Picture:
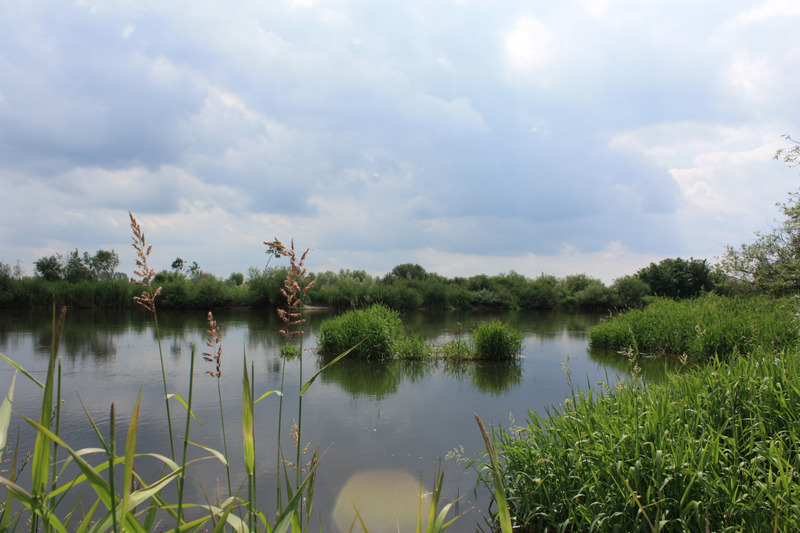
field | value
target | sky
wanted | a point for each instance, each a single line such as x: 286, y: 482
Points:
x: 470, y: 137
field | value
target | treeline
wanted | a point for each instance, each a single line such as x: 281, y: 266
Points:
x: 84, y: 280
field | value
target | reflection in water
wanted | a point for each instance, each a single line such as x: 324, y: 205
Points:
x: 387, y: 501
x: 379, y: 379
x: 653, y: 369
x: 399, y: 415
x: 491, y: 377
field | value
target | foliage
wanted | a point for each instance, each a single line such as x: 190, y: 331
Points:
x: 711, y: 450
x: 49, y: 268
x: 408, y: 271
x: 456, y: 349
x: 413, y: 347
x: 678, y: 278
x: 772, y: 262
x: 545, y: 292
x: 496, y: 340
x: 373, y: 331
x: 631, y: 291
x: 703, y: 328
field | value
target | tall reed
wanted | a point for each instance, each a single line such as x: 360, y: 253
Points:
x: 147, y: 299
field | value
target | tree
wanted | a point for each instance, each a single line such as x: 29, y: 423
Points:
x: 105, y: 263
x: 236, y: 279
x: 195, y: 272
x: 772, y: 262
x: 49, y: 268
x: 177, y: 265
x: 678, y: 278
x: 409, y: 271
x: 79, y: 268
x: 630, y: 290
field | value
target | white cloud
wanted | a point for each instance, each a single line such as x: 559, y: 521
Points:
x: 529, y: 44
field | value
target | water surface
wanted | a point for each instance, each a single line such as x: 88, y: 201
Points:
x: 381, y: 424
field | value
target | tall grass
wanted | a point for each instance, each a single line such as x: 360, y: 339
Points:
x: 713, y: 450
x: 374, y: 330
x: 496, y: 340
x: 128, y: 502
x: 702, y: 328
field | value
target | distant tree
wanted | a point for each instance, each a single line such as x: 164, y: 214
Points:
x: 630, y: 290
x: 195, y: 272
x: 177, y: 265
x: 678, y: 278
x: 79, y: 267
x: 236, y: 278
x: 478, y: 283
x: 575, y: 283
x: 409, y: 271
x: 772, y: 262
x: 105, y: 263
x: 49, y: 268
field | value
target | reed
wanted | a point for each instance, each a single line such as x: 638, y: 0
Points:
x: 702, y: 328
x: 711, y: 450
x: 496, y: 340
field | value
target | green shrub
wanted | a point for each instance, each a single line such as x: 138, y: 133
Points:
x: 375, y: 330
x: 496, y: 340
x: 457, y: 349
x: 413, y: 347
x: 702, y: 328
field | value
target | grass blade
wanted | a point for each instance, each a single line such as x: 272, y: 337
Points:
x: 503, y: 515
x: 5, y: 415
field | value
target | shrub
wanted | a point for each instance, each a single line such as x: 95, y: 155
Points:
x: 457, y: 349
x: 702, y: 328
x: 373, y: 331
x: 413, y: 347
x: 496, y: 340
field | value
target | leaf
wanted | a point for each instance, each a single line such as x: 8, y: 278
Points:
x: 186, y: 405
x: 247, y: 424
x: 338, y: 358
x: 5, y: 415
x: 25, y: 372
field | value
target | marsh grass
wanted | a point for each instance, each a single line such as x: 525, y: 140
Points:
x: 496, y: 340
x: 711, y: 450
x: 702, y: 328
x: 375, y: 330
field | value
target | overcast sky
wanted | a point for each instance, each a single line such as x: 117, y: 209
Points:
x: 470, y: 137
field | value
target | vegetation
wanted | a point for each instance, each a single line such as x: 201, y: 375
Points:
x: 496, y: 340
x: 374, y: 331
x: 712, y: 450
x: 377, y: 332
x: 120, y: 498
x: 703, y: 328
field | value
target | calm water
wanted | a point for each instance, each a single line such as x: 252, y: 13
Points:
x: 380, y: 424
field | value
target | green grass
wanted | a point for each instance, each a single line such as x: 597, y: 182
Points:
x: 702, y: 328
x: 496, y: 340
x: 375, y: 331
x: 718, y: 445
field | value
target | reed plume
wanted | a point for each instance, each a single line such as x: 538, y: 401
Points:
x: 148, y: 300
x: 145, y: 274
x: 214, y: 355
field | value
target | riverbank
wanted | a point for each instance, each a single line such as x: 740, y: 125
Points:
x: 714, y: 448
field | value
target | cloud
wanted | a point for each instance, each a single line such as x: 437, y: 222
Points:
x: 504, y: 134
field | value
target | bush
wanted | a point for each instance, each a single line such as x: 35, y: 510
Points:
x: 457, y: 349
x: 702, y: 328
x: 496, y: 340
x: 376, y: 330
x: 413, y: 347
